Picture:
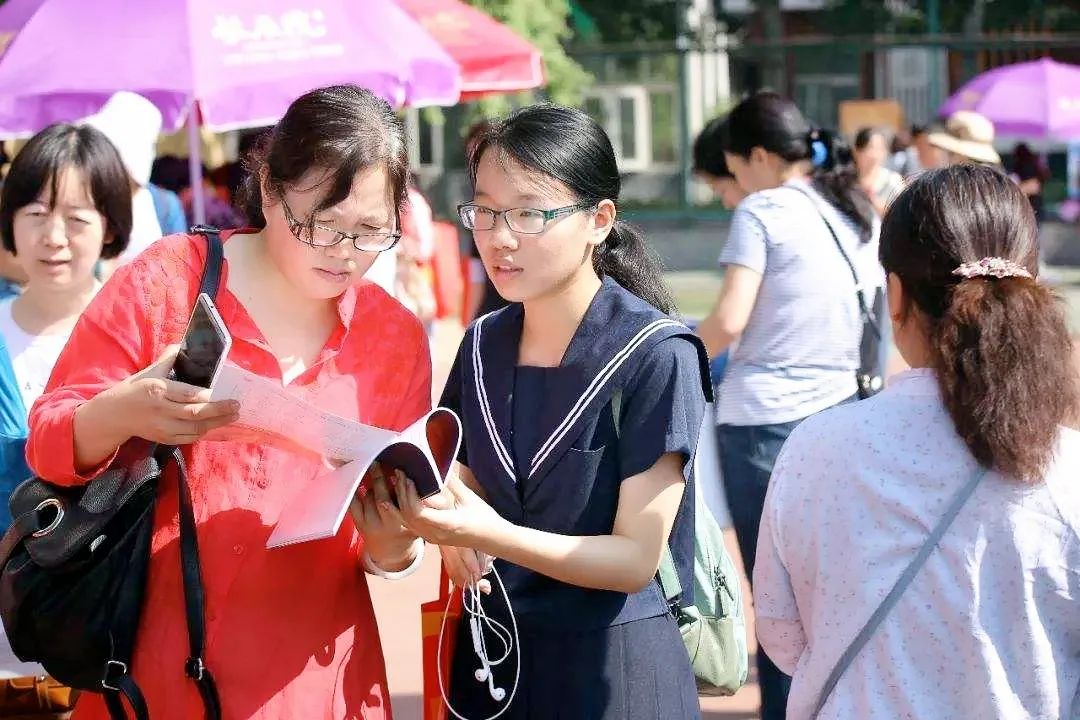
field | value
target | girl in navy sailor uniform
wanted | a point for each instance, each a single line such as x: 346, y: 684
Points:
x: 581, y: 404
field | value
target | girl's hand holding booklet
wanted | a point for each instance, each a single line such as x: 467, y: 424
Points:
x: 270, y: 414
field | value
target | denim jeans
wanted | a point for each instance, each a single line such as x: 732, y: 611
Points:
x: 747, y: 456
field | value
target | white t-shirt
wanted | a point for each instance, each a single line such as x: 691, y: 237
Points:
x: 32, y: 356
x: 32, y: 359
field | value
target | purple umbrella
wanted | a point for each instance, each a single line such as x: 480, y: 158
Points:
x: 241, y: 61
x: 244, y: 61
x: 1039, y: 99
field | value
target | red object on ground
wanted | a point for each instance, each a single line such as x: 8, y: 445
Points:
x: 493, y: 58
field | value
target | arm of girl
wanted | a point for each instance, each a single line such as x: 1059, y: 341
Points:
x: 624, y: 561
x: 731, y: 313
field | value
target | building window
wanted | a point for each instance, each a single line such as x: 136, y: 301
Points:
x: 623, y: 112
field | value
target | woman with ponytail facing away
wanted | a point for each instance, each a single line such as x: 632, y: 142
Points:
x: 987, y: 626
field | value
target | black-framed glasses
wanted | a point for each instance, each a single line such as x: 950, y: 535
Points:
x: 528, y: 221
x: 319, y: 235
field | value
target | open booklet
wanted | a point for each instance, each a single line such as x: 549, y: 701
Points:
x: 269, y: 413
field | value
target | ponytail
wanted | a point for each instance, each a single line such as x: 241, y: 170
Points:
x: 964, y: 245
x: 627, y: 259
x: 836, y: 179
x: 1004, y: 363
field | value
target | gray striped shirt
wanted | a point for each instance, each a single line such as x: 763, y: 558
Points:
x: 799, y: 352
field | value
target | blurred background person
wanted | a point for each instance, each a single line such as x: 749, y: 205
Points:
x: 1030, y: 173
x: 879, y: 183
x: 923, y: 154
x: 132, y: 123
x: 788, y: 296
x: 415, y: 284
x: 968, y: 137
x: 57, y: 240
x: 65, y: 205
x: 710, y: 166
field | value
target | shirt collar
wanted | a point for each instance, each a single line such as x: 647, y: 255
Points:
x: 916, y: 381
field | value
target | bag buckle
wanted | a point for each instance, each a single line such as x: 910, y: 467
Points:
x: 121, y: 671
x: 58, y: 515
x: 194, y: 668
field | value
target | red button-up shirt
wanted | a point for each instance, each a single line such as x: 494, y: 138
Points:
x: 290, y: 632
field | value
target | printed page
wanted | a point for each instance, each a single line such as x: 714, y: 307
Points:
x: 268, y: 408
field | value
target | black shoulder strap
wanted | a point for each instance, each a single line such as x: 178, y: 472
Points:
x: 194, y: 595
x: 122, y: 684
x: 215, y: 255
x: 860, y: 294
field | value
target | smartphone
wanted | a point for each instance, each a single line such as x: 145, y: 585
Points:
x: 205, y: 346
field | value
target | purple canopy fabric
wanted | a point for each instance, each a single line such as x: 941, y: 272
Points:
x: 1039, y: 99
x: 244, y: 61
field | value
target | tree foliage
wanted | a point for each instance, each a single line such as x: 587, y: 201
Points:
x: 544, y: 23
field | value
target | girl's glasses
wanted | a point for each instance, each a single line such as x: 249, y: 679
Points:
x: 529, y: 221
x: 317, y: 235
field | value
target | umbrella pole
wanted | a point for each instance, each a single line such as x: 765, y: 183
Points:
x: 198, y: 205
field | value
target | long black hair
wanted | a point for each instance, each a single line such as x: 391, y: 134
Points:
x: 774, y: 123
x: 567, y: 145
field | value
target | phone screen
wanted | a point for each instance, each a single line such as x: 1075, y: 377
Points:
x: 202, y: 349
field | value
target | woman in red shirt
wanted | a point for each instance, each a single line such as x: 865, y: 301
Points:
x: 290, y: 632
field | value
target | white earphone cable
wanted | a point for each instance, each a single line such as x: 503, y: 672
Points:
x: 478, y: 620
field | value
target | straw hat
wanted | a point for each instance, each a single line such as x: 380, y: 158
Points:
x: 970, y: 135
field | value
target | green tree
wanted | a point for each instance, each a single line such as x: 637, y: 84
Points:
x: 623, y: 21
x: 545, y: 24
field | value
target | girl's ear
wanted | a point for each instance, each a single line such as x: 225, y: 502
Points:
x: 264, y: 187
x: 603, y: 219
x: 758, y: 154
x: 897, y: 299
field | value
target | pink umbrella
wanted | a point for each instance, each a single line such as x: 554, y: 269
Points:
x: 241, y: 61
x: 1039, y: 99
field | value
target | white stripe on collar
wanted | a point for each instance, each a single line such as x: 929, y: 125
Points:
x: 481, y: 391
x: 594, y: 389
x: 576, y: 411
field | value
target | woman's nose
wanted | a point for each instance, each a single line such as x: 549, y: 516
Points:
x: 55, y: 232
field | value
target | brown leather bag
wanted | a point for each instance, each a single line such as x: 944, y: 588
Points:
x: 35, y: 698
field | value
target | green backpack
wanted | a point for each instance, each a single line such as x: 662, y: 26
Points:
x: 714, y: 627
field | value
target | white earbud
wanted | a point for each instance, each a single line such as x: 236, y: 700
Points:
x: 483, y: 673
x: 507, y: 637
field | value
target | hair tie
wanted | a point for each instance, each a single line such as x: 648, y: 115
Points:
x: 994, y: 267
x: 819, y: 153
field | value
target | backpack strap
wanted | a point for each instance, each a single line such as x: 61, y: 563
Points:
x: 117, y: 682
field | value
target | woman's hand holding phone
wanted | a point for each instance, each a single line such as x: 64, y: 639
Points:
x: 147, y: 405
x: 153, y: 407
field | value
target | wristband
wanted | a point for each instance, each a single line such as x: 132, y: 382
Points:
x: 418, y: 548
